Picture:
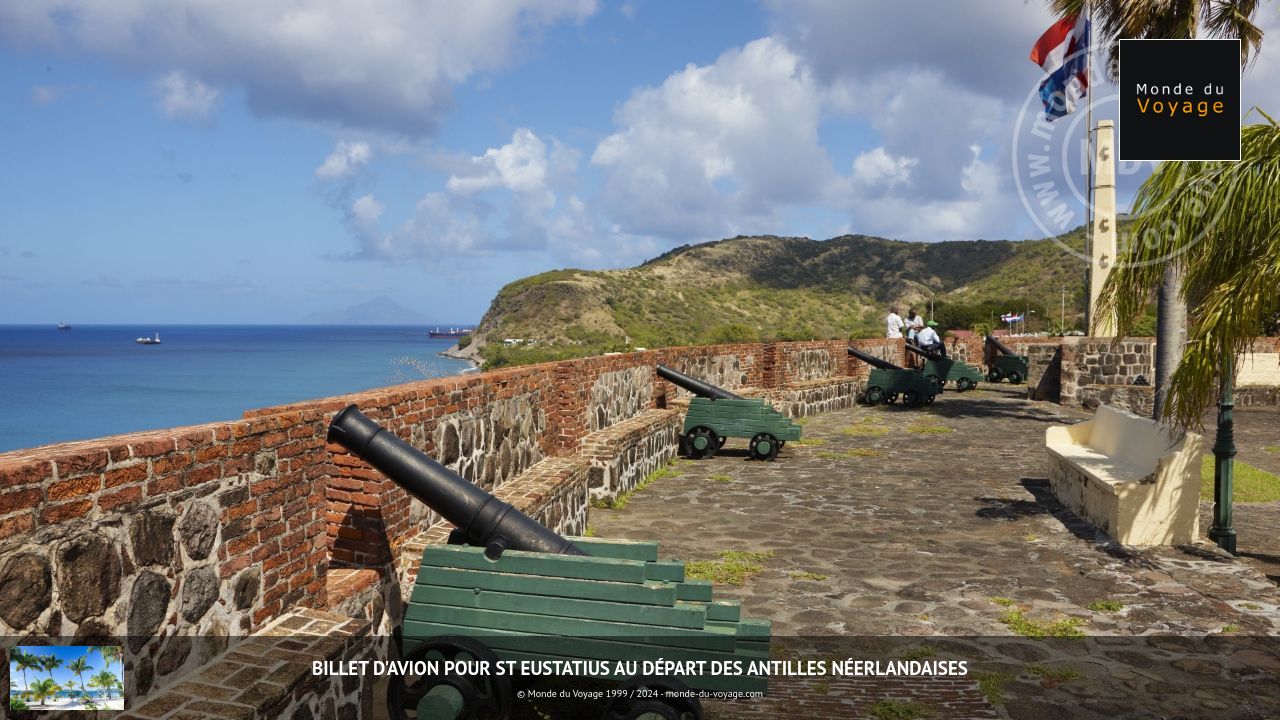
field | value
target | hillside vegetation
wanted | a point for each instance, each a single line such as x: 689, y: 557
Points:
x: 765, y: 288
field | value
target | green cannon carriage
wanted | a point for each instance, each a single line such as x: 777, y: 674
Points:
x: 1003, y: 364
x: 715, y: 414
x: 940, y: 370
x: 888, y: 382
x: 508, y: 601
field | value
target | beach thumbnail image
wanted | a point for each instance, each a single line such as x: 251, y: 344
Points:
x: 66, y: 677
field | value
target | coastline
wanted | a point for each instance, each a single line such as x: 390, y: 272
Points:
x: 470, y: 354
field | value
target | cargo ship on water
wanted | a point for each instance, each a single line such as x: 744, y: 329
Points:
x: 450, y: 333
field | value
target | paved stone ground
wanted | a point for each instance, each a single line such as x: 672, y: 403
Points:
x: 920, y: 545
x: 1257, y: 525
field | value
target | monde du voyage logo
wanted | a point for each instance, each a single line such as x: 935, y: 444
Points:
x: 1179, y: 100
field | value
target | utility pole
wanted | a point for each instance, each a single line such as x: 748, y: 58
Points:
x: 1062, y: 324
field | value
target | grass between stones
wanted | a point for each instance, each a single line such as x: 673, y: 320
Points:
x: 1106, y: 606
x: 1053, y: 677
x: 928, y: 427
x: 850, y: 454
x: 671, y: 469
x: 920, y: 653
x: 1248, y: 483
x: 806, y: 575
x: 867, y: 427
x: 810, y: 442
x: 733, y: 567
x: 1273, y: 448
x: 1230, y: 628
x: 720, y: 477
x: 898, y: 710
x: 991, y: 685
x: 1067, y: 627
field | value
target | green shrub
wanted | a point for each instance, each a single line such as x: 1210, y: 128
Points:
x: 464, y: 341
x: 734, y: 333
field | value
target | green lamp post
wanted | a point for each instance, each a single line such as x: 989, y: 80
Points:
x: 1224, y: 449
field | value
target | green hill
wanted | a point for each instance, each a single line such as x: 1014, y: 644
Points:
x: 762, y: 288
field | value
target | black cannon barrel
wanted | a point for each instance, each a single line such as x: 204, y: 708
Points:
x: 696, y: 386
x: 483, y: 519
x: 925, y: 353
x: 873, y: 361
x: 995, y: 343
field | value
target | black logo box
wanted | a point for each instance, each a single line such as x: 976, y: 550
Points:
x: 1185, y: 65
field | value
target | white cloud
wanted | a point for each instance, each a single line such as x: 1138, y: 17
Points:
x: 347, y: 158
x: 377, y: 65
x: 715, y: 148
x: 184, y: 97
x: 49, y: 94
x: 519, y: 166
x: 878, y: 168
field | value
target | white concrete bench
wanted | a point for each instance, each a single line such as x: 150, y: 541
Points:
x: 1136, y: 480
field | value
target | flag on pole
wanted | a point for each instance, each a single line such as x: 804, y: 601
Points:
x: 1011, y: 317
x: 1062, y: 52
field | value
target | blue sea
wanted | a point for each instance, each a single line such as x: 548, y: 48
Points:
x: 94, y: 380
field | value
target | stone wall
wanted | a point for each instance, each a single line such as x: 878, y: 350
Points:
x: 189, y: 540
x: 619, y: 395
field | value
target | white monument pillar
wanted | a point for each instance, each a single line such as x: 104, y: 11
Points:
x: 1103, y: 252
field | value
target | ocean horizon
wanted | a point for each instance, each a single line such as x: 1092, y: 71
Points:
x: 95, y: 380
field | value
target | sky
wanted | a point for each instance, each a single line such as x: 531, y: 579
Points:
x: 256, y: 161
x: 66, y: 653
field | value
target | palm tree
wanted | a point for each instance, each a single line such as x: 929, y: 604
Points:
x: 50, y: 663
x: 105, y: 680
x: 43, y: 689
x: 1231, y: 256
x: 1183, y: 19
x: 25, y: 661
x: 79, y: 666
x: 109, y: 653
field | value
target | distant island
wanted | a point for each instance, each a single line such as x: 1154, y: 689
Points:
x: 381, y: 310
x: 779, y: 288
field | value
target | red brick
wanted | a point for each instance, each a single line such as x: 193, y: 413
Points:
x: 125, y: 475
x: 54, y: 514
x: 213, y: 452
x: 247, y: 446
x: 168, y: 464
x: 20, y: 500
x: 17, y: 524
x: 164, y: 485
x: 152, y: 448
x: 25, y: 473
x: 202, y: 474
x: 74, y: 488
x: 233, y: 566
x: 69, y: 465
x: 194, y: 438
x: 110, y: 501
x: 242, y: 544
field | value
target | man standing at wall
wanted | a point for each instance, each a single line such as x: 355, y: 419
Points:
x: 893, y: 324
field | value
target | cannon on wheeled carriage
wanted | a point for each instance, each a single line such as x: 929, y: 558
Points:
x: 1003, y: 363
x: 888, y: 382
x: 509, y: 591
x: 715, y: 414
x: 940, y: 369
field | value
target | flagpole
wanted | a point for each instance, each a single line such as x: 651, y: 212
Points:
x: 1088, y: 141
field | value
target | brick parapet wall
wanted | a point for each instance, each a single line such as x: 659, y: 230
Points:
x: 217, y: 529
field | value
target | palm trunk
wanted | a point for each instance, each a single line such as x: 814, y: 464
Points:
x: 1171, y: 334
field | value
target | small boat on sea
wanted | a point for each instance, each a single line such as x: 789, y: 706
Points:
x: 149, y: 341
x: 63, y: 326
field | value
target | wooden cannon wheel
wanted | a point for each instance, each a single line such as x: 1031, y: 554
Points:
x: 464, y: 697
x: 701, y: 443
x: 651, y: 698
x: 764, y: 447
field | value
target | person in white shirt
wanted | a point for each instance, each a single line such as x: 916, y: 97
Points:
x: 929, y: 340
x: 914, y: 324
x: 894, y: 324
